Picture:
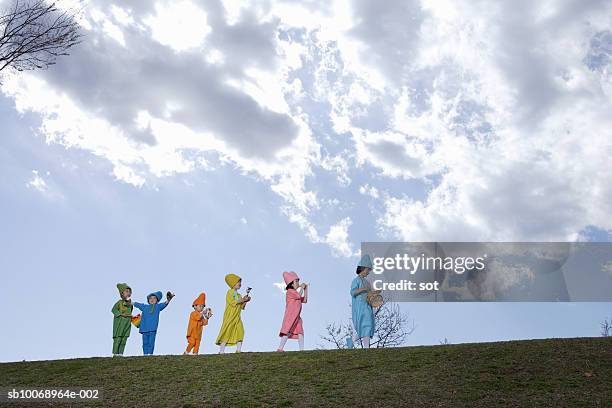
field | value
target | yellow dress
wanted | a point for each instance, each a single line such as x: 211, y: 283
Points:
x: 232, y: 330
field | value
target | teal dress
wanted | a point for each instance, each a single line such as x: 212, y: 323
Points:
x: 363, y: 315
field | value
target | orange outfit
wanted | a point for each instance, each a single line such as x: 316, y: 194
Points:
x: 194, y: 331
x: 196, y: 325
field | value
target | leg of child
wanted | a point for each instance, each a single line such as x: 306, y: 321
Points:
x: 116, y: 341
x: 190, y: 345
x: 122, y: 343
x: 152, y: 342
x: 301, y: 341
x: 148, y: 342
x: 145, y: 343
x: 196, y: 346
x: 238, y: 347
x: 366, y: 342
x: 222, y: 348
x: 283, y: 341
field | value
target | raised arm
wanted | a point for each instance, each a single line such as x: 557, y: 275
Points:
x: 301, y: 294
x: 140, y: 306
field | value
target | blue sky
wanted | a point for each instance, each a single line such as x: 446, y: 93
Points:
x: 185, y: 140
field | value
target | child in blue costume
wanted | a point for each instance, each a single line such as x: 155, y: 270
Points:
x: 362, y: 313
x: 150, y: 319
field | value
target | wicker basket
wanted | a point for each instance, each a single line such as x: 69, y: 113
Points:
x: 375, y: 299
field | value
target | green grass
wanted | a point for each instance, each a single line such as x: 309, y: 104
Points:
x: 534, y: 373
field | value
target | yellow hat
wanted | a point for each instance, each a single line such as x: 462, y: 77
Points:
x: 232, y: 280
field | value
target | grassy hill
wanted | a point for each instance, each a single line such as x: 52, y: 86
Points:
x: 535, y: 373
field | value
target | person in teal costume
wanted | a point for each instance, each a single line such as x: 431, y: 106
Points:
x: 362, y: 312
x: 150, y: 320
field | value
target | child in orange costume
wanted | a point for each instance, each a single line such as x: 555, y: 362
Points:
x: 197, y: 320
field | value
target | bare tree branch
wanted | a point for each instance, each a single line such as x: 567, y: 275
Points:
x: 336, y: 334
x: 392, y: 327
x: 606, y: 328
x: 35, y: 33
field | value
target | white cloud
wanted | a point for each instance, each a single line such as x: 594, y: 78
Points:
x: 37, y: 183
x: 500, y: 110
x: 127, y: 175
x: 41, y: 183
x: 178, y: 24
x: 338, y: 165
x: 155, y: 112
x: 369, y: 191
x: 397, y: 155
x: 492, y: 101
x: 215, y: 57
x: 280, y: 286
x: 338, y: 238
x: 114, y: 32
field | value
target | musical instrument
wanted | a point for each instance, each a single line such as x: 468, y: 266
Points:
x: 247, y: 294
x: 136, y: 320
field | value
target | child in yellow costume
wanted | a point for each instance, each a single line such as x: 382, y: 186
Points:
x: 232, y: 330
x: 197, y: 320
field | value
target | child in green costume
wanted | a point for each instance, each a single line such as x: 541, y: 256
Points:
x: 122, y: 321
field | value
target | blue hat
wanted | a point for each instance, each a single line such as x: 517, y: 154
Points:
x: 366, y: 261
x: 157, y: 294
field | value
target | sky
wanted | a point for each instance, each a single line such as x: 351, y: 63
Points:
x: 184, y: 140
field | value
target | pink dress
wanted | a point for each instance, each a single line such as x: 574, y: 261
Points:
x: 292, y: 322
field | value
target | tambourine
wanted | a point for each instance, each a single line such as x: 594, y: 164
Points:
x: 136, y: 320
x: 375, y: 299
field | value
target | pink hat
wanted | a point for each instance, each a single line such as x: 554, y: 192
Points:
x: 290, y: 277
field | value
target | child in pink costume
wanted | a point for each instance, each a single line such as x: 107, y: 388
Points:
x: 292, y: 322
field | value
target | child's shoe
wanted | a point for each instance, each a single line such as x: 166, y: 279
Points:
x: 280, y: 350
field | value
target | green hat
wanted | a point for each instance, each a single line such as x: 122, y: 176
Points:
x: 122, y: 286
x: 366, y: 261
